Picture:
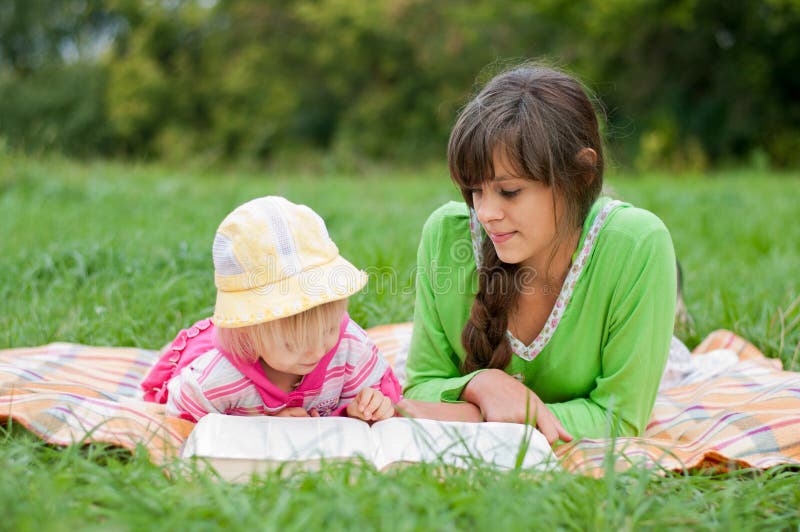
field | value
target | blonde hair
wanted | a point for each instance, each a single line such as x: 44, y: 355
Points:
x: 298, y: 332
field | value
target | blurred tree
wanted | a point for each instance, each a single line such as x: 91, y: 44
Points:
x: 51, y: 86
x: 57, y: 108
x: 37, y: 33
x: 686, y: 83
x: 712, y: 75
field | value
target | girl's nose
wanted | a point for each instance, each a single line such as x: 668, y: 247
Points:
x: 487, y: 208
x: 316, y: 352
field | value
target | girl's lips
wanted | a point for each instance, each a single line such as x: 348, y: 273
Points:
x: 499, y: 238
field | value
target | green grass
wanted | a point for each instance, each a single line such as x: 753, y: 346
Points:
x: 112, y: 254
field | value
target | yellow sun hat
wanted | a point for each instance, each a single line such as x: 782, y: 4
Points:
x: 274, y: 259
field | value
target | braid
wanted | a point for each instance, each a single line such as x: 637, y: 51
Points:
x: 484, y: 335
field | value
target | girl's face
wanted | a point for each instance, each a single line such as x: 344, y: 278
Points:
x: 301, y: 360
x: 519, y: 215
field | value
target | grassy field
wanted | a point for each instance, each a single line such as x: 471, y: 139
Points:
x: 112, y: 254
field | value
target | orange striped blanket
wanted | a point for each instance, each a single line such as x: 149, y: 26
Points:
x: 749, y: 416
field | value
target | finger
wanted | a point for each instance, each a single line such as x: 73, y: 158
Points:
x: 366, y: 395
x: 563, y: 435
x: 359, y: 414
x: 353, y: 410
x: 386, y: 409
x: 373, y: 405
x: 356, y: 402
x: 313, y: 412
x: 549, y: 431
x: 559, y: 430
x: 293, y: 412
x: 551, y: 420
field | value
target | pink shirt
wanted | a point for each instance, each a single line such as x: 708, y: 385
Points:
x: 195, y: 377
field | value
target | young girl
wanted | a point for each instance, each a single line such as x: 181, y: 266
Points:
x: 568, y: 313
x: 280, y: 341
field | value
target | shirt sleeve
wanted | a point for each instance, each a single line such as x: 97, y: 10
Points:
x: 389, y: 386
x: 367, y: 368
x: 433, y: 372
x: 641, y: 318
x: 187, y: 397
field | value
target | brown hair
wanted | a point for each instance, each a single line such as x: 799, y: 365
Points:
x: 298, y: 332
x: 541, y: 118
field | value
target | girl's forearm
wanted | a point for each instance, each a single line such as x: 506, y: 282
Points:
x: 439, y: 411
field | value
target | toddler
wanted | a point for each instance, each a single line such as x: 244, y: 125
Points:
x: 280, y: 341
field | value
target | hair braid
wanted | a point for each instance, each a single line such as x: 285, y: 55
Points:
x: 484, y: 336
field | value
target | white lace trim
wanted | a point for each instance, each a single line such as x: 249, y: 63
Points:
x: 529, y: 352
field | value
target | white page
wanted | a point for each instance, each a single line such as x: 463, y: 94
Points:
x: 279, y: 438
x: 460, y: 443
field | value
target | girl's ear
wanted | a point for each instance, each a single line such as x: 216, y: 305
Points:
x: 587, y: 157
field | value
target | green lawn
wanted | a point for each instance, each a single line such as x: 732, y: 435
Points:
x: 113, y: 254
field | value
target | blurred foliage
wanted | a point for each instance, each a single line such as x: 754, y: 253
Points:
x: 684, y: 83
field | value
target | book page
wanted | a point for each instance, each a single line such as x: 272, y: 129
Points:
x: 462, y: 444
x: 281, y: 439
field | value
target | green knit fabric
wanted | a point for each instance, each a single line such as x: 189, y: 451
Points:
x: 600, y: 371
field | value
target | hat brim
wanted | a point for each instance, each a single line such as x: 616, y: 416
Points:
x: 333, y: 281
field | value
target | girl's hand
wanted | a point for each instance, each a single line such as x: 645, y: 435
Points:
x: 370, y: 405
x: 297, y: 411
x: 501, y: 397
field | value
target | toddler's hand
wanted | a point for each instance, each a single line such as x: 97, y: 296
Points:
x: 370, y: 405
x: 297, y: 411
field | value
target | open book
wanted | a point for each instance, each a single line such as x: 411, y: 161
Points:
x: 238, y: 446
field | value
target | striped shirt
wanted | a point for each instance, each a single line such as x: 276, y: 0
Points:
x: 195, y: 377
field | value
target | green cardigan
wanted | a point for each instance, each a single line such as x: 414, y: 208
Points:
x: 601, y: 368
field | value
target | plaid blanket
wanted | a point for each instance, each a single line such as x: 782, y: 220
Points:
x: 747, y: 416
x: 74, y: 394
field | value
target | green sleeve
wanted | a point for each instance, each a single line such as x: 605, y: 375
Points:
x: 635, y: 350
x: 433, y: 372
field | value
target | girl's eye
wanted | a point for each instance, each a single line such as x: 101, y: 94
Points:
x: 509, y: 193
x: 289, y: 347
